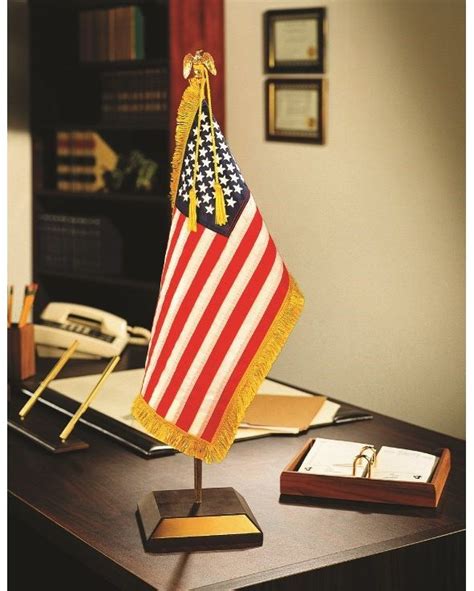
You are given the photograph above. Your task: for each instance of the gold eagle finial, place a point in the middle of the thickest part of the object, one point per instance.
(200, 58)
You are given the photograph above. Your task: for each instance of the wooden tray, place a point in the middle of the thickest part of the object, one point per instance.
(419, 494)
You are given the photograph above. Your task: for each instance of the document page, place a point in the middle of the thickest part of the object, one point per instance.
(331, 457)
(404, 464)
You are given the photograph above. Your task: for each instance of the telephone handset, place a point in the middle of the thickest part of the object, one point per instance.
(100, 334)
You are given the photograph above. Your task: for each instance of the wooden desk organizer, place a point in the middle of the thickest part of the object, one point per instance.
(21, 352)
(419, 494)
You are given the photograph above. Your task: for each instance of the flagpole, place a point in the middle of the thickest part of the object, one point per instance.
(197, 481)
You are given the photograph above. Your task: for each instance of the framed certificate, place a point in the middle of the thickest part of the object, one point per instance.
(295, 110)
(294, 40)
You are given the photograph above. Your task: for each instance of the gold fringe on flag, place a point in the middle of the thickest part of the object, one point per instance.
(257, 371)
(187, 110)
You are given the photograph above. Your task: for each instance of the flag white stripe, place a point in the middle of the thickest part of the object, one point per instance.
(218, 324)
(202, 301)
(184, 283)
(237, 347)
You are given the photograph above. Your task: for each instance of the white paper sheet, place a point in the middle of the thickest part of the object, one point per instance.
(333, 458)
(404, 464)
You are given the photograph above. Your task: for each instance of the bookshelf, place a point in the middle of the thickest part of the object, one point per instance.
(67, 96)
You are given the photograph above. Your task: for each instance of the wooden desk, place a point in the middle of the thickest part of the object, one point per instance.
(73, 519)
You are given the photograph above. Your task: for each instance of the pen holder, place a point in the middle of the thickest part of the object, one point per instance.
(21, 352)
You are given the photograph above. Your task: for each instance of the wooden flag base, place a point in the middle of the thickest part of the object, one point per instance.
(173, 521)
(42, 428)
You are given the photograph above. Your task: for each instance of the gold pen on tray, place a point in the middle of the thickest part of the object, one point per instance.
(85, 405)
(28, 300)
(49, 378)
(10, 305)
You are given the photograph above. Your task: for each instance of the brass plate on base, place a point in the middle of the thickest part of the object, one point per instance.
(170, 521)
(43, 430)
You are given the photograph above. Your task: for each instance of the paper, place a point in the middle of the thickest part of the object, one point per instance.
(327, 413)
(404, 464)
(115, 398)
(296, 109)
(285, 414)
(295, 40)
(331, 457)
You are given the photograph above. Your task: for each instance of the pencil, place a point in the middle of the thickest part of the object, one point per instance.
(30, 294)
(10, 305)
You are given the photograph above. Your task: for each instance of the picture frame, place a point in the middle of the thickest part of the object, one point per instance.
(295, 110)
(295, 41)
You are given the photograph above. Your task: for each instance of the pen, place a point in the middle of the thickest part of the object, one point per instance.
(351, 416)
(10, 305)
(49, 378)
(85, 405)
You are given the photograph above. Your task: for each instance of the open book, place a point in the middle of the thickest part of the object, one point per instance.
(336, 458)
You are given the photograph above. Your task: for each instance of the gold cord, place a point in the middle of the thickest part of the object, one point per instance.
(220, 216)
(192, 217)
(220, 212)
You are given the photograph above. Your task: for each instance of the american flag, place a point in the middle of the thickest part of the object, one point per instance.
(226, 306)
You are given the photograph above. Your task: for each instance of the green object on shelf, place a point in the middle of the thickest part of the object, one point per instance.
(134, 172)
(146, 175)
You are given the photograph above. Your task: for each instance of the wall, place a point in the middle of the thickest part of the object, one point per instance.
(19, 153)
(372, 223)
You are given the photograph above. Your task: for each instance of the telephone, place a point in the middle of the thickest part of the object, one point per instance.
(100, 334)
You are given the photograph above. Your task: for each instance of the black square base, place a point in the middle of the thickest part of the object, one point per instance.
(171, 521)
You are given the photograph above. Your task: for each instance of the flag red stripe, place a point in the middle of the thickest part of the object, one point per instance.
(247, 356)
(171, 247)
(216, 300)
(169, 254)
(226, 337)
(186, 254)
(202, 274)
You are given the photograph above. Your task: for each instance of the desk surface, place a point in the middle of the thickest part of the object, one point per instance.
(86, 501)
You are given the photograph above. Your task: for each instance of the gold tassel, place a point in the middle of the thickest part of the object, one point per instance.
(184, 121)
(192, 215)
(257, 371)
(221, 216)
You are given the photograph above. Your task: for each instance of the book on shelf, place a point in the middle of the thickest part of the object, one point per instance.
(111, 34)
(134, 94)
(82, 158)
(79, 244)
(63, 160)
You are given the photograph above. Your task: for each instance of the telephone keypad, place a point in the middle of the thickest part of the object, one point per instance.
(77, 328)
